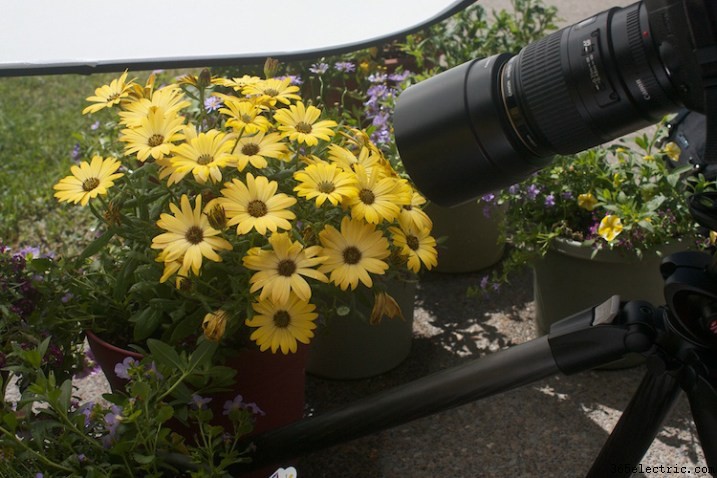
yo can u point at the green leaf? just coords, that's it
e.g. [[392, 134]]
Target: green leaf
[[145, 323], [165, 413], [203, 354], [143, 459], [98, 244], [166, 355]]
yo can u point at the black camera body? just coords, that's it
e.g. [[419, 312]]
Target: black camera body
[[491, 122]]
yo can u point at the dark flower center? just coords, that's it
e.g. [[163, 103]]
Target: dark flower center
[[247, 118], [412, 242], [352, 255], [257, 208], [204, 159], [113, 97], [250, 149], [90, 183], [271, 92], [367, 196], [282, 319], [155, 140], [286, 268], [326, 187], [194, 235], [303, 127]]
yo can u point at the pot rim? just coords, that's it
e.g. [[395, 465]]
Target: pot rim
[[572, 248]]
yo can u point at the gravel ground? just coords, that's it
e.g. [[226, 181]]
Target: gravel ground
[[553, 427]]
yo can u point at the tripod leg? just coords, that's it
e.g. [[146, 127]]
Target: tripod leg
[[484, 377], [635, 431], [703, 404]]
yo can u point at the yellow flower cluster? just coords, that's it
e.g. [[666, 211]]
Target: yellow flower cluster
[[298, 198]]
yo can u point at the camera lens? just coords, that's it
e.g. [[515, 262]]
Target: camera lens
[[489, 123]]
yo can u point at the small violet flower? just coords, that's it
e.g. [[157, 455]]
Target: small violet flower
[[213, 103], [345, 66], [319, 68], [122, 369]]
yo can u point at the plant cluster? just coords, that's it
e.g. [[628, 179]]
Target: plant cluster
[[629, 196], [163, 425], [229, 205]]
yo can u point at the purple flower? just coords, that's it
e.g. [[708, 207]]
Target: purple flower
[[377, 77], [293, 79], [238, 404], [484, 282], [377, 92], [112, 422], [345, 66], [550, 200], [122, 369], [76, 152], [514, 189], [532, 192], [381, 119], [198, 402], [319, 68], [213, 103], [399, 77], [94, 126]]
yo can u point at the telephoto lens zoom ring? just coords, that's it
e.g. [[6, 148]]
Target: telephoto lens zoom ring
[[546, 101]]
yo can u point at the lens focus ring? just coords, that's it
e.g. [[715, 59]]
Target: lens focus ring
[[545, 98]]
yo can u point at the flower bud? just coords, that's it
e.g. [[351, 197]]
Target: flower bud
[[214, 325], [217, 217], [271, 67], [205, 79]]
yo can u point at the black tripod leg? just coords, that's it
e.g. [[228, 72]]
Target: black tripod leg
[[638, 426], [703, 404]]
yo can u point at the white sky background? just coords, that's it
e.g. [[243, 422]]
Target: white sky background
[[67, 32]]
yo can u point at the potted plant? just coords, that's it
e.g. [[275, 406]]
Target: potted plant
[[232, 211], [598, 223]]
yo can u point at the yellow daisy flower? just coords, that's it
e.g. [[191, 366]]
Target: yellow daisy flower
[[214, 324], [238, 83], [413, 212], [281, 326], [107, 96], [88, 180], [347, 160], [610, 227], [256, 205], [203, 155], [244, 116], [325, 181], [189, 236], [300, 123], [268, 92], [154, 136], [169, 99], [282, 269], [378, 197], [256, 149], [353, 253], [587, 201], [171, 268], [415, 243]]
